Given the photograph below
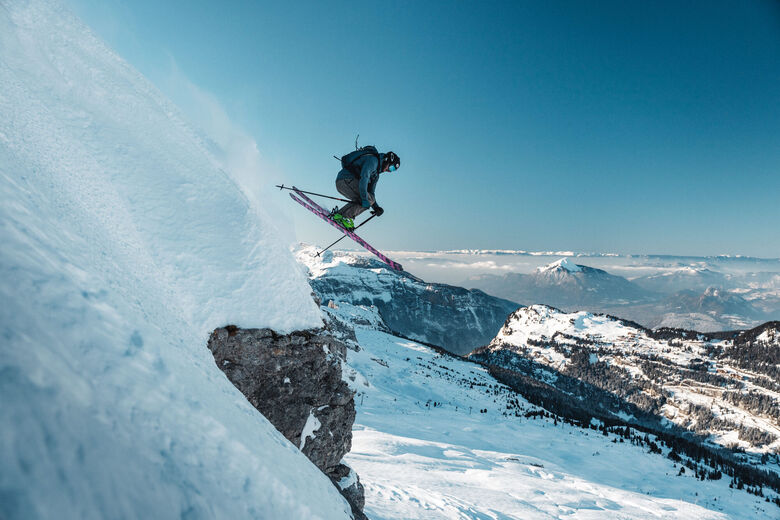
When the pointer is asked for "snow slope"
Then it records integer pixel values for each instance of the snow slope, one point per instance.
(438, 437)
(123, 245)
(553, 338)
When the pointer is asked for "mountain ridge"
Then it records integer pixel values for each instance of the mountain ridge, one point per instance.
(441, 314)
(662, 358)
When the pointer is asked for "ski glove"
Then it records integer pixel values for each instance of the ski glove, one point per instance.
(366, 204)
(377, 210)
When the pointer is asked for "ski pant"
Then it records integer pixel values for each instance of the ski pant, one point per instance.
(350, 188)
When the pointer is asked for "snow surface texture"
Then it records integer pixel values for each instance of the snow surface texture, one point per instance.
(124, 246)
(432, 441)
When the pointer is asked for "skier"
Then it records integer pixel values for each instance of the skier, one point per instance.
(357, 182)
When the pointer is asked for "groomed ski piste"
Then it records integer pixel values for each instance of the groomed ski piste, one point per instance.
(437, 437)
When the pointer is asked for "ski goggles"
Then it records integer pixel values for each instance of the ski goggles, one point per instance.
(392, 168)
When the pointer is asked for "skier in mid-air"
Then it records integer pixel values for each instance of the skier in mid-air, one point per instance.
(357, 182)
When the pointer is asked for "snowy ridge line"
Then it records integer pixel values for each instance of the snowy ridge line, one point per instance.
(439, 314)
(640, 367)
(690, 442)
(436, 348)
(740, 334)
(675, 332)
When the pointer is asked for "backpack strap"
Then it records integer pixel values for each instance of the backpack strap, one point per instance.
(374, 152)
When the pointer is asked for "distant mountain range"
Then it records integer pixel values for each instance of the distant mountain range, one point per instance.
(712, 302)
(683, 278)
(564, 284)
(711, 310)
(687, 297)
(723, 385)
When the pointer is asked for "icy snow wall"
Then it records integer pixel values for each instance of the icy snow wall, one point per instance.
(123, 245)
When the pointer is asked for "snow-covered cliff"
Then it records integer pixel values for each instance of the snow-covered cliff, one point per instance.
(124, 244)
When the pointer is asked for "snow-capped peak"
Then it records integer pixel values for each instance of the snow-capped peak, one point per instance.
(563, 263)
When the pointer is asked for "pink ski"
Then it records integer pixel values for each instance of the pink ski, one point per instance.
(315, 208)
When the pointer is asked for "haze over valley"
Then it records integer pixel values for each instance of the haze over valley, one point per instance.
(701, 293)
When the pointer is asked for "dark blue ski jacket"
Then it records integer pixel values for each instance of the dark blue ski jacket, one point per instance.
(369, 174)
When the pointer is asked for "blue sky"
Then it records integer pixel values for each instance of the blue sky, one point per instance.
(634, 127)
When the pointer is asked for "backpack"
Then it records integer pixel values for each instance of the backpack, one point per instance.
(348, 161)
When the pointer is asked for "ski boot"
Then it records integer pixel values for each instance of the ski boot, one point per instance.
(343, 221)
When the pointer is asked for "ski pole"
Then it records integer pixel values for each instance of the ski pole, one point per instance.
(283, 187)
(345, 236)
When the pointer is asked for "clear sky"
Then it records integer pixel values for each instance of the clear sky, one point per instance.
(624, 126)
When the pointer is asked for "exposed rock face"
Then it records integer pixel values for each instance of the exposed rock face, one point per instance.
(295, 381)
(349, 484)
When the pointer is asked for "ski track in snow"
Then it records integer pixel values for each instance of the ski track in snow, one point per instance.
(451, 461)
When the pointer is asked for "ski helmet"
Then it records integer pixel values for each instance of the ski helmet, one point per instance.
(392, 162)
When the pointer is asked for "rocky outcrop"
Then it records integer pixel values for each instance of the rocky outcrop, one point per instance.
(349, 484)
(295, 381)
